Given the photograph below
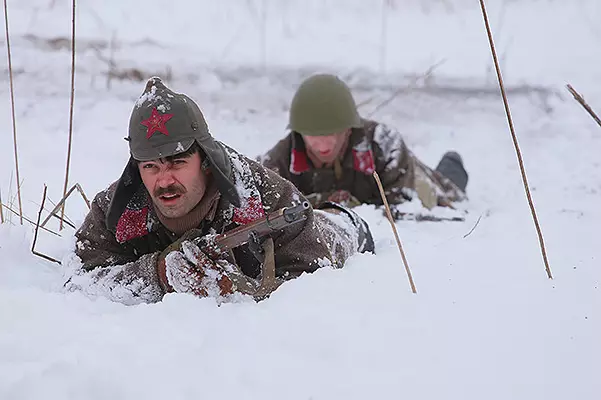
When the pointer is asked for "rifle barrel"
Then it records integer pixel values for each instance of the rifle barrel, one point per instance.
(273, 222)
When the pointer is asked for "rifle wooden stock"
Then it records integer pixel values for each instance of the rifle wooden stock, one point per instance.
(273, 222)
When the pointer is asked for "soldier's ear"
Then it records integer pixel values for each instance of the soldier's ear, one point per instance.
(206, 165)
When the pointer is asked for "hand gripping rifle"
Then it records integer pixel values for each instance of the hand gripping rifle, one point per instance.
(253, 232)
(256, 234)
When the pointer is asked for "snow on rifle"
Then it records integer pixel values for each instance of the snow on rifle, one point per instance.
(252, 233)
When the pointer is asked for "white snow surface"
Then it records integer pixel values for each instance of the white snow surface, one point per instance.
(486, 322)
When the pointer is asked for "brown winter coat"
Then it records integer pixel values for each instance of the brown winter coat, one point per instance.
(119, 258)
(373, 147)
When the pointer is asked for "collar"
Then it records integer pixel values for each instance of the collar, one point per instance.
(138, 217)
(360, 158)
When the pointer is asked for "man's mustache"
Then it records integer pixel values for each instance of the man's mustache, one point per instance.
(171, 189)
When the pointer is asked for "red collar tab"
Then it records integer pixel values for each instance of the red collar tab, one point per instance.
(363, 158)
(298, 162)
(132, 224)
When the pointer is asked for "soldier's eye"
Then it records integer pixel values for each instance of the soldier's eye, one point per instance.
(149, 166)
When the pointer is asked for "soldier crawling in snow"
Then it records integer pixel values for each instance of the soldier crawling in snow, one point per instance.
(331, 153)
(139, 241)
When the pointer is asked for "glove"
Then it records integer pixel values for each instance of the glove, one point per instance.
(201, 269)
(344, 198)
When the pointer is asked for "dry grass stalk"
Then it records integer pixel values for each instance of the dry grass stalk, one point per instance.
(83, 195)
(30, 221)
(424, 77)
(394, 230)
(1, 209)
(67, 220)
(61, 203)
(12, 105)
(70, 112)
(583, 103)
(10, 197)
(515, 141)
(37, 227)
(473, 227)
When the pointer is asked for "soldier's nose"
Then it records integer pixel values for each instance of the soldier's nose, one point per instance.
(165, 179)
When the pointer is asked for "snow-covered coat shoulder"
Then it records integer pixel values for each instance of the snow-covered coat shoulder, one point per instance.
(121, 262)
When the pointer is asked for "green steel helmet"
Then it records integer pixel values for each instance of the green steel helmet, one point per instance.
(323, 105)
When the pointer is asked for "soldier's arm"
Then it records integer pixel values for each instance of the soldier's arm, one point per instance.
(110, 269)
(278, 158)
(300, 247)
(395, 165)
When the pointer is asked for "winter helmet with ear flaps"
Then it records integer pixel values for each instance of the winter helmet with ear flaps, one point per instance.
(323, 105)
(162, 124)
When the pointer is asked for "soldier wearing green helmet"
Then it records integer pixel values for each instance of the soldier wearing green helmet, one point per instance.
(153, 230)
(331, 152)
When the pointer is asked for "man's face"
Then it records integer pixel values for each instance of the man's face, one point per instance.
(176, 186)
(326, 148)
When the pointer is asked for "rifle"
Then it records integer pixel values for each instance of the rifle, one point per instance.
(399, 216)
(317, 199)
(253, 232)
(314, 198)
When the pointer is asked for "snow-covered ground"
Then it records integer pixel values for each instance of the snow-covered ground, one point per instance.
(486, 322)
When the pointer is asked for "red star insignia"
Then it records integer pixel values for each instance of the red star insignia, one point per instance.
(156, 123)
